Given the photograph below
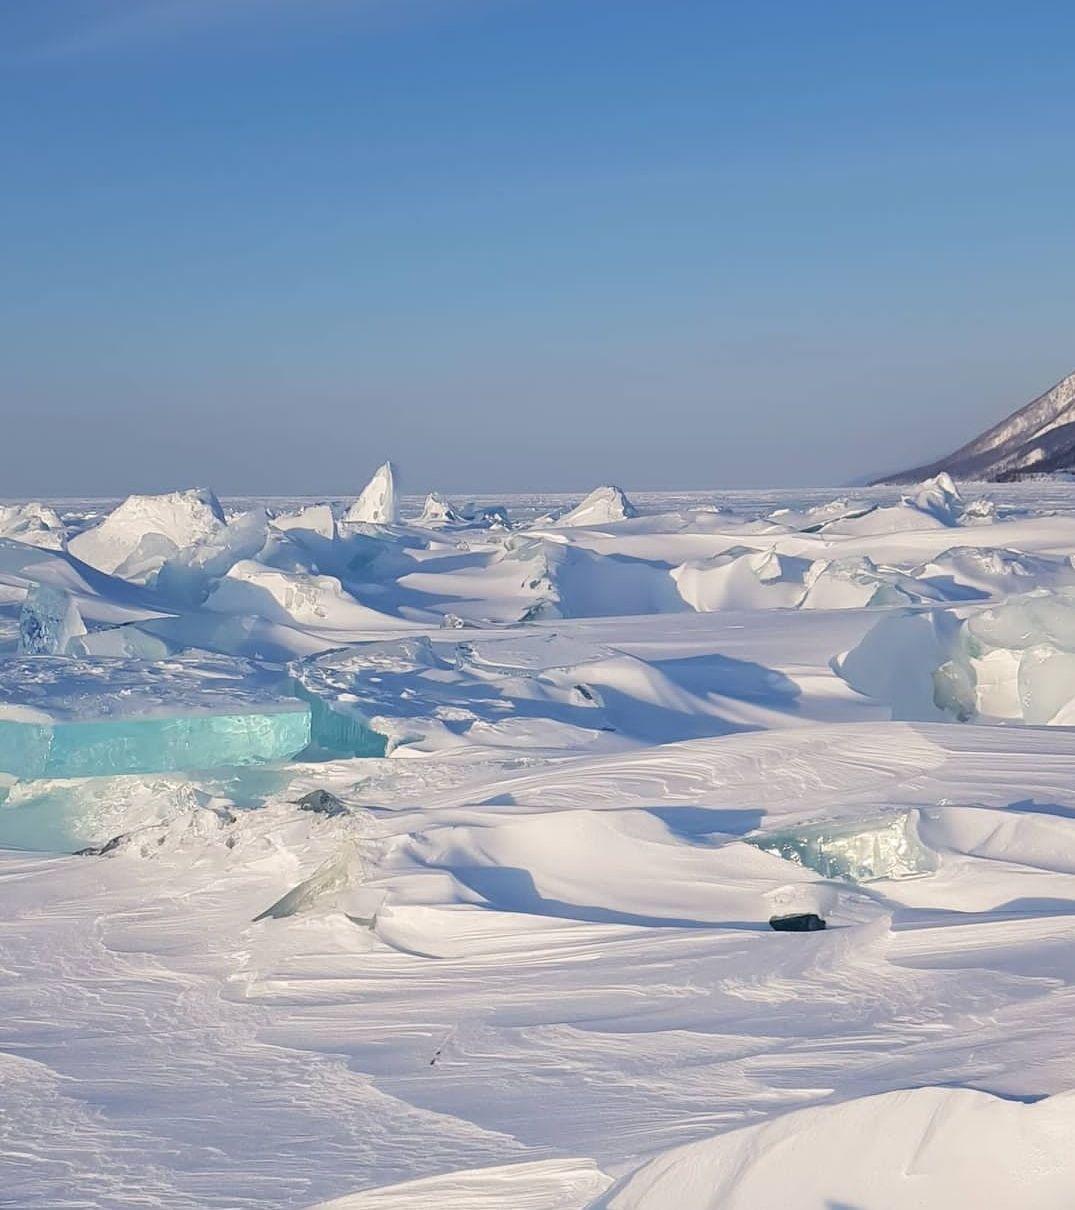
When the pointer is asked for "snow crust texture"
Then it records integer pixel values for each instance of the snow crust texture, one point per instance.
(402, 852)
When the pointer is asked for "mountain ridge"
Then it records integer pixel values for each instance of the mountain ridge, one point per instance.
(1037, 438)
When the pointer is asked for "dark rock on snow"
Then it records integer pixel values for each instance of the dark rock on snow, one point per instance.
(801, 922)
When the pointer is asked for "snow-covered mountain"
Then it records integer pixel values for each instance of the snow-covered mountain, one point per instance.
(1036, 439)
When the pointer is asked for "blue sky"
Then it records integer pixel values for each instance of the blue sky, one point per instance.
(523, 244)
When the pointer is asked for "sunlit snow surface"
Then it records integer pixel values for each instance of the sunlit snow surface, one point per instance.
(514, 951)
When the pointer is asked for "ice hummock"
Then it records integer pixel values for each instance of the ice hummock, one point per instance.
(68, 717)
(602, 505)
(863, 850)
(939, 497)
(860, 583)
(144, 532)
(437, 511)
(742, 578)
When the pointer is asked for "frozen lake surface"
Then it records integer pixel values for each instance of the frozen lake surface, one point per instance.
(493, 931)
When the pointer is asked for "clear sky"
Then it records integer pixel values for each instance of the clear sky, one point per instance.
(524, 244)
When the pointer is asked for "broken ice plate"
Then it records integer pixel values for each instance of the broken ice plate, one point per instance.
(859, 850)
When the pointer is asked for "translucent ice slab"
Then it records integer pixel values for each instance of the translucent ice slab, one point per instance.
(152, 745)
(49, 621)
(862, 850)
(85, 718)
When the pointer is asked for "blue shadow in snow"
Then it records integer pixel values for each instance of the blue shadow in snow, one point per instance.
(1027, 806)
(692, 822)
(511, 889)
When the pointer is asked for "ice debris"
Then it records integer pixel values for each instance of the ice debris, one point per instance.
(1012, 662)
(437, 511)
(316, 519)
(33, 524)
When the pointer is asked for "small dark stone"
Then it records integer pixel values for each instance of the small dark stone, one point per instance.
(99, 850)
(801, 922)
(321, 802)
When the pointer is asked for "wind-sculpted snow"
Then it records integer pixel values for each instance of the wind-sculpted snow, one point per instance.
(416, 852)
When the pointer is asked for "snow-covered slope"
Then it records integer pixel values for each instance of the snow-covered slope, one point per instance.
(1037, 439)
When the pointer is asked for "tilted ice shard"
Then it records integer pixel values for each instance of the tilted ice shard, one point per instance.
(67, 717)
(863, 850)
(48, 621)
(976, 571)
(326, 889)
(187, 577)
(379, 502)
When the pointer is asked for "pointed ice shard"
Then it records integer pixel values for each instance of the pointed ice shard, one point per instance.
(49, 620)
(379, 502)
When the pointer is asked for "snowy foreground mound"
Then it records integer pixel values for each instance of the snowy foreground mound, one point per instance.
(933, 1148)
(399, 852)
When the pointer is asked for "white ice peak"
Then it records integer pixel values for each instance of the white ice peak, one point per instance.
(379, 502)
